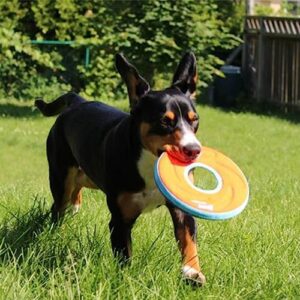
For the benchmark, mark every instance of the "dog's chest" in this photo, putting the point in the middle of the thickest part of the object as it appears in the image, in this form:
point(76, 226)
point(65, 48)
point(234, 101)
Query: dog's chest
point(151, 197)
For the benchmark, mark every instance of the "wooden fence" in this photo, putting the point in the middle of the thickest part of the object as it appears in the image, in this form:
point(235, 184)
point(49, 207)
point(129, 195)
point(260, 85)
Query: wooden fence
point(271, 60)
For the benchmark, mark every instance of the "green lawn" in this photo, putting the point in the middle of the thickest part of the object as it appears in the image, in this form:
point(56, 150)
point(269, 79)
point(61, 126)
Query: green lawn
point(253, 256)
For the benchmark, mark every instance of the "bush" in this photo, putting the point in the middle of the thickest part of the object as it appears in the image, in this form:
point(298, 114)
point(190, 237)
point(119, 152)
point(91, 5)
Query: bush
point(151, 33)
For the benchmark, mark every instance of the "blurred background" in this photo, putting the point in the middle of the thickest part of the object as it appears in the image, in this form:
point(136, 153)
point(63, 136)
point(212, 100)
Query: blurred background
point(48, 47)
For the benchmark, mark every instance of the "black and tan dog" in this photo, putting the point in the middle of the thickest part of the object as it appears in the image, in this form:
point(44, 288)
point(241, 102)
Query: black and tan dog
point(94, 145)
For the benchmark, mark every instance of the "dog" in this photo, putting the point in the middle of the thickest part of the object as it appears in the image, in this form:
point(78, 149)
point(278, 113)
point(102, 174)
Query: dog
point(96, 146)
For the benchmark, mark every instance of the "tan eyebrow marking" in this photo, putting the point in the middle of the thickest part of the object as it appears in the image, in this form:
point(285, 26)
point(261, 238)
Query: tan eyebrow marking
point(191, 115)
point(170, 115)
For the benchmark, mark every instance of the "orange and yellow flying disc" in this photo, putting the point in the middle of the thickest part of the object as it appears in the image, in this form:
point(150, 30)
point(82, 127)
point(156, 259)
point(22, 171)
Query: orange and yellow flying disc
point(226, 200)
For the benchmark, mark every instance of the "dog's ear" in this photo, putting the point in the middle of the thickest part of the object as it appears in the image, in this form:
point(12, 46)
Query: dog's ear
point(185, 76)
point(137, 86)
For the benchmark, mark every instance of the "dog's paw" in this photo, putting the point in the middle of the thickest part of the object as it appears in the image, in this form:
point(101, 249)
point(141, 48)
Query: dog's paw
point(192, 276)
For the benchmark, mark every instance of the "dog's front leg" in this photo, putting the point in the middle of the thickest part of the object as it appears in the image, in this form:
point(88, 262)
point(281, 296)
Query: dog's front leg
point(120, 235)
point(124, 212)
point(185, 233)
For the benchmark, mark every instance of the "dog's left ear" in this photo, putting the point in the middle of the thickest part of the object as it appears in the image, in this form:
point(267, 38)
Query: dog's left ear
point(185, 76)
point(137, 86)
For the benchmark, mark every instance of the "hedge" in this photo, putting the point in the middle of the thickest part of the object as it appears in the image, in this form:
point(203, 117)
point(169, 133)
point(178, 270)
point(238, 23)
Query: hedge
point(151, 33)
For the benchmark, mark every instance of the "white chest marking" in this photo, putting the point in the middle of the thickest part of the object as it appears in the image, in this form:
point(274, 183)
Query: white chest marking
point(151, 197)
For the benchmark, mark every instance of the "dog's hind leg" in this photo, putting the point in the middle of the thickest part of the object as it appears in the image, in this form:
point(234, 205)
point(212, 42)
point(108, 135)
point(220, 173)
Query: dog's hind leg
point(62, 175)
point(72, 192)
point(65, 191)
point(76, 199)
point(57, 186)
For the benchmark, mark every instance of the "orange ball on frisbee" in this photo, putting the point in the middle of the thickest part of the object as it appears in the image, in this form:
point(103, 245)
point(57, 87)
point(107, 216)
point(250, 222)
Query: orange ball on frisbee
point(226, 200)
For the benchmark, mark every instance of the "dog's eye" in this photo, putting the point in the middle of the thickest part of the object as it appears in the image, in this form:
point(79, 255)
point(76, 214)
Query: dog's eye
point(195, 118)
point(192, 117)
point(168, 122)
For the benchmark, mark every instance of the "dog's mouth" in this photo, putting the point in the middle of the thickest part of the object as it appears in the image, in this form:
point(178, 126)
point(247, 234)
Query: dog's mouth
point(177, 155)
point(160, 152)
point(165, 148)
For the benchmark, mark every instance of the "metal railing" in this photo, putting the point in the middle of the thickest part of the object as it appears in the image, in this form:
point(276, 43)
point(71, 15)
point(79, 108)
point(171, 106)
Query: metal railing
point(64, 43)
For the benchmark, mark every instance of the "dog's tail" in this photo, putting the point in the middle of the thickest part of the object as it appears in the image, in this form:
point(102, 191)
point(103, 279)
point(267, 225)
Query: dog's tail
point(58, 105)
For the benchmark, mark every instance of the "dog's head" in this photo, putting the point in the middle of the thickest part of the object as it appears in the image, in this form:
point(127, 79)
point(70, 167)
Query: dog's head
point(167, 119)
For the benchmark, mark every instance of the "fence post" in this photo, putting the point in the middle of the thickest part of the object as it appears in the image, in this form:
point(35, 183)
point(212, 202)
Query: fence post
point(244, 53)
point(260, 60)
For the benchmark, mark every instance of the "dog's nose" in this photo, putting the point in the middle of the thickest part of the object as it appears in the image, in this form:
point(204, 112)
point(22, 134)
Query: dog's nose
point(191, 150)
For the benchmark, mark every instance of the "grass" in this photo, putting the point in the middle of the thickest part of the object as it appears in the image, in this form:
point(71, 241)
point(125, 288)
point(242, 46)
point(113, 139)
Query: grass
point(253, 256)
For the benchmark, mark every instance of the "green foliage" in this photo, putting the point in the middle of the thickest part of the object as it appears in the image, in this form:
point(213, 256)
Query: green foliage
point(232, 13)
point(151, 33)
point(287, 9)
point(22, 63)
point(263, 10)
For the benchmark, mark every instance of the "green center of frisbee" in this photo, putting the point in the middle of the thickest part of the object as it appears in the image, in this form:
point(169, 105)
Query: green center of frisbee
point(204, 179)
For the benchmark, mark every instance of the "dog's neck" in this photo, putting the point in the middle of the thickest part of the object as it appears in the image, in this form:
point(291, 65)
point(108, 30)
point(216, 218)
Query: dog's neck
point(121, 150)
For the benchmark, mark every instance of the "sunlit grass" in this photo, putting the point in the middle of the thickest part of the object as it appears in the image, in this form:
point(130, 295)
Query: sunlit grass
point(253, 256)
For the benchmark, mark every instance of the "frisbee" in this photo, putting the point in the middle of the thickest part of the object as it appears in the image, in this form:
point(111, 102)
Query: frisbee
point(229, 197)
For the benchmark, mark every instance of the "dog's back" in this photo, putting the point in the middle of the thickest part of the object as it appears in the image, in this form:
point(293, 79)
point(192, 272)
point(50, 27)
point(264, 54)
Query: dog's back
point(88, 135)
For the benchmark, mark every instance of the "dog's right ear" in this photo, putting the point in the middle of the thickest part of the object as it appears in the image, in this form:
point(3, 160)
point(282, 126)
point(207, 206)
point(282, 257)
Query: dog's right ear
point(185, 77)
point(137, 86)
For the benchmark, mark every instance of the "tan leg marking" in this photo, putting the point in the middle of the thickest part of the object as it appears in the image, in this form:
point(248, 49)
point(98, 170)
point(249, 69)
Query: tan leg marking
point(75, 180)
point(191, 268)
point(69, 187)
point(130, 209)
point(187, 245)
point(76, 199)
point(188, 249)
point(83, 180)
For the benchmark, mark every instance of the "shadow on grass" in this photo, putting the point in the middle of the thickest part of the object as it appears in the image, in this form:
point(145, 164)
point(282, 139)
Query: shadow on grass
point(18, 110)
point(269, 110)
point(261, 109)
point(31, 237)
point(20, 230)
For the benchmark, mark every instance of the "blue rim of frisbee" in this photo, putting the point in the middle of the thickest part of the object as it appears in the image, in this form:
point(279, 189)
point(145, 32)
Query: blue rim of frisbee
point(192, 211)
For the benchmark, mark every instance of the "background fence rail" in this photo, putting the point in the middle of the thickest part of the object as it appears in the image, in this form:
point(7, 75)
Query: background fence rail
point(271, 60)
